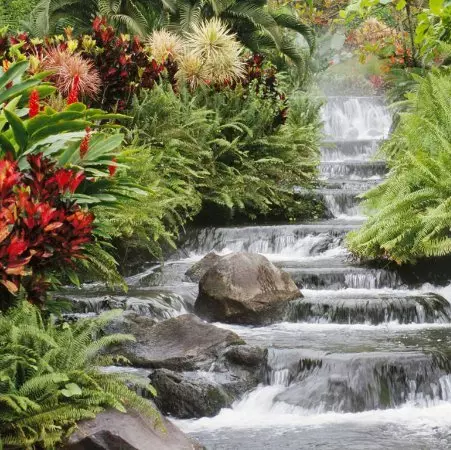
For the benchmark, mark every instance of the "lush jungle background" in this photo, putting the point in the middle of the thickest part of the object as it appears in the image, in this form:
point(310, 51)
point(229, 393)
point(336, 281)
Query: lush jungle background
point(122, 122)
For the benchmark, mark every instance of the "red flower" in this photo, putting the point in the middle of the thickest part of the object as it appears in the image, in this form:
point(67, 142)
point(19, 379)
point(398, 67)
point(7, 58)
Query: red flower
point(73, 94)
point(33, 104)
point(84, 146)
point(112, 167)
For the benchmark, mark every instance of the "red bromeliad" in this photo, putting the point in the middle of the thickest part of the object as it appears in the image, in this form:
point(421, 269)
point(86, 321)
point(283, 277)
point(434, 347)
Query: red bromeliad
point(40, 228)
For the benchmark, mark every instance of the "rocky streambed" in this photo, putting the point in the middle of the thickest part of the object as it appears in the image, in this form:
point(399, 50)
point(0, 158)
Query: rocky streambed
point(359, 360)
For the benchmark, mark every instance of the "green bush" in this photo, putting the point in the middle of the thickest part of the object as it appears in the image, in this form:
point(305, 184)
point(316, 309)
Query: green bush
point(411, 211)
point(234, 148)
point(50, 378)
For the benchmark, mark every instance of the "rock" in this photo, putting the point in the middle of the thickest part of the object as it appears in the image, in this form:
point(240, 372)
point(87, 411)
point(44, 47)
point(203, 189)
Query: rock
point(198, 270)
point(187, 395)
point(182, 343)
point(244, 288)
point(190, 394)
point(112, 430)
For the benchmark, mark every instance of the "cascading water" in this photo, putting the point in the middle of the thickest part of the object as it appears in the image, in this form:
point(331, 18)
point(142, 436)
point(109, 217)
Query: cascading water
point(361, 361)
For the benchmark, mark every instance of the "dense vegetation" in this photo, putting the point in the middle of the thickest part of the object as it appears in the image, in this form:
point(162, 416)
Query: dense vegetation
point(409, 212)
point(208, 122)
point(50, 380)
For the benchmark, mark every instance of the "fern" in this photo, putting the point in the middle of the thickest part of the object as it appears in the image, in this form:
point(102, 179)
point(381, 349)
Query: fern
point(49, 378)
point(411, 211)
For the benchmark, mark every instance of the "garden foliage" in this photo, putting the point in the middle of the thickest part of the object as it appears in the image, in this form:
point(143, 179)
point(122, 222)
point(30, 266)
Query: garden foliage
point(51, 378)
point(410, 211)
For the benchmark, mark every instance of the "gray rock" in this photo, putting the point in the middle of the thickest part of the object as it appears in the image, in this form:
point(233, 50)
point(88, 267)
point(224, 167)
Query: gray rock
point(245, 288)
point(113, 430)
point(198, 270)
point(190, 394)
point(182, 343)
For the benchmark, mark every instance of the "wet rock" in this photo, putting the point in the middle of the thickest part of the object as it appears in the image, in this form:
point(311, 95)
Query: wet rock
point(181, 343)
point(190, 394)
point(112, 430)
point(203, 394)
point(244, 288)
point(198, 270)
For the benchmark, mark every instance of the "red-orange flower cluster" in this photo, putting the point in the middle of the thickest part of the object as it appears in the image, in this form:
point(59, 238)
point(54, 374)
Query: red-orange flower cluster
point(40, 228)
point(33, 104)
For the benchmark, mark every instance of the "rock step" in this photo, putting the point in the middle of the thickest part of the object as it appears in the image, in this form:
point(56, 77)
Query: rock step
point(339, 276)
point(357, 149)
point(355, 382)
point(264, 239)
point(159, 304)
point(353, 169)
point(374, 309)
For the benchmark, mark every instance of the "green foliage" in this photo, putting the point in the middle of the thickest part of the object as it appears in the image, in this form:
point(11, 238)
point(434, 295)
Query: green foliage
point(52, 16)
point(12, 12)
point(231, 147)
point(411, 214)
point(260, 28)
point(50, 378)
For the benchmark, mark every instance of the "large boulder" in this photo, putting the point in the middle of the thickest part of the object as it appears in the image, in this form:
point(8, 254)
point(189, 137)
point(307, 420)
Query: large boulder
point(112, 430)
point(182, 343)
point(198, 270)
point(244, 288)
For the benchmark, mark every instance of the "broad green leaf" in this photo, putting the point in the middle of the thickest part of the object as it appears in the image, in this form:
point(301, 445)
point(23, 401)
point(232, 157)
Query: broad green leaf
point(6, 145)
point(15, 70)
point(436, 6)
point(58, 128)
point(17, 90)
point(19, 130)
point(401, 5)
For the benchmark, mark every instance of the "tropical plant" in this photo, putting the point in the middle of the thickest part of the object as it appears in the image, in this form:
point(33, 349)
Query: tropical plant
point(55, 165)
point(51, 378)
point(410, 211)
point(52, 16)
point(14, 11)
point(259, 28)
point(236, 147)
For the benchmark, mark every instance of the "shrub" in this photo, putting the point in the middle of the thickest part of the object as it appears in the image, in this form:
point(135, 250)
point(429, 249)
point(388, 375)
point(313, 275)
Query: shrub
point(45, 223)
point(410, 211)
point(50, 378)
point(235, 149)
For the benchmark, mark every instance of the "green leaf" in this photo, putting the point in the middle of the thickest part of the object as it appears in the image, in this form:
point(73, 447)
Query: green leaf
point(401, 4)
point(19, 130)
point(72, 390)
point(436, 6)
point(6, 145)
point(73, 277)
point(17, 90)
point(15, 70)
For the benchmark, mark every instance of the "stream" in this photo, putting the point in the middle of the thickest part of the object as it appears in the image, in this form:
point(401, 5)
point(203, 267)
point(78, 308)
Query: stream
point(361, 362)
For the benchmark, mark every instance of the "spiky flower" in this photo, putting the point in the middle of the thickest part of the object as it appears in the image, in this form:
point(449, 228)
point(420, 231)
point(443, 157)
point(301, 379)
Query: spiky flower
point(218, 48)
point(192, 70)
point(33, 104)
point(70, 68)
point(164, 44)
